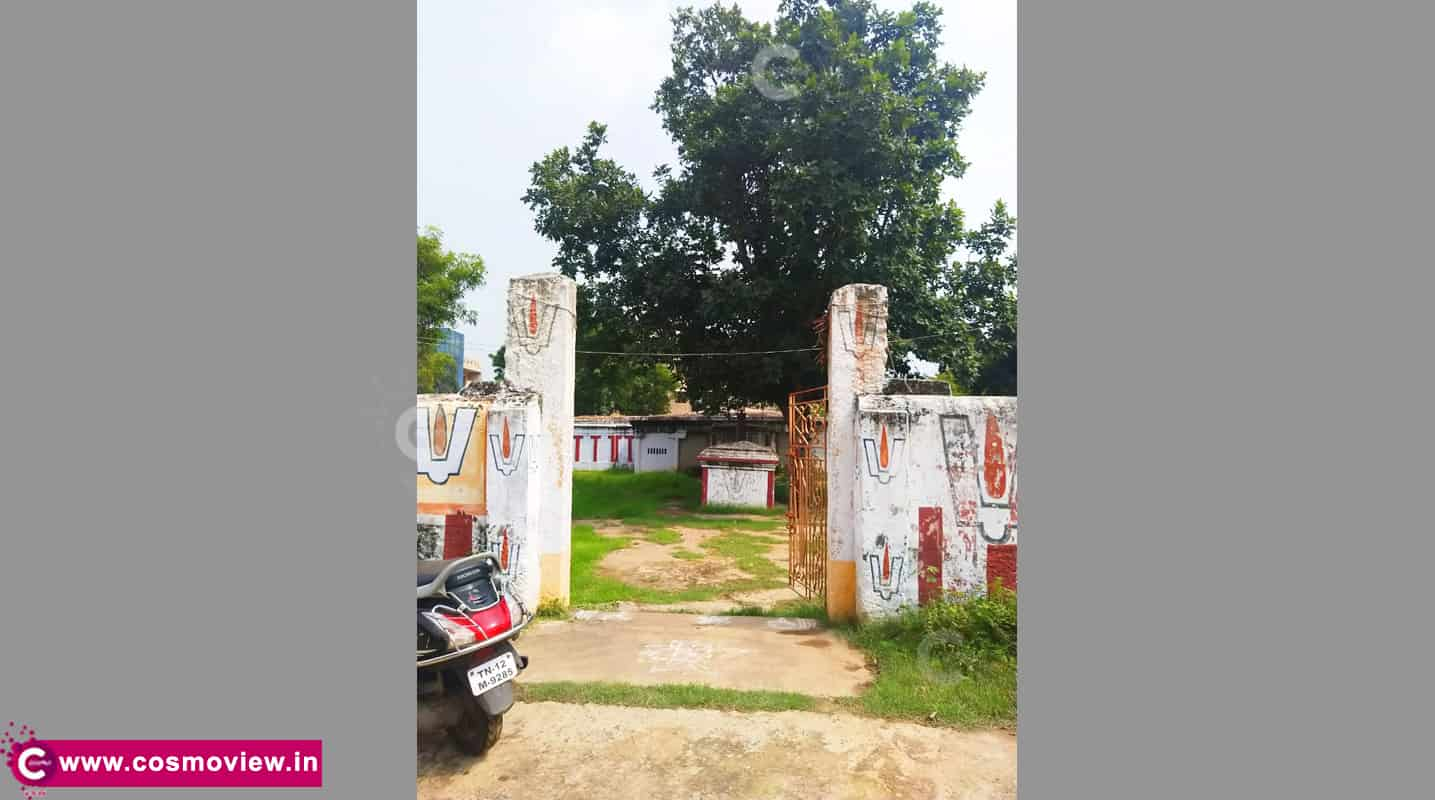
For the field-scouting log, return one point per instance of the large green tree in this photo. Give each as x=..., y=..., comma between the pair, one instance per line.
x=608, y=384
x=605, y=383
x=812, y=154
x=978, y=351
x=443, y=279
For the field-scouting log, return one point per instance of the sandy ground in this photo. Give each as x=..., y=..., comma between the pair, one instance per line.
x=650, y=565
x=577, y=752
x=647, y=648
x=573, y=752
x=762, y=598
x=653, y=566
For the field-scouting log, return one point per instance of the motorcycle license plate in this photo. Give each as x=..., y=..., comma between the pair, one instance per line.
x=493, y=673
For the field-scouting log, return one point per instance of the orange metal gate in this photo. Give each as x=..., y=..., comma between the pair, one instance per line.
x=807, y=492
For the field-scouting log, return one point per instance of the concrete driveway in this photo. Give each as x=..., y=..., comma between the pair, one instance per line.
x=651, y=647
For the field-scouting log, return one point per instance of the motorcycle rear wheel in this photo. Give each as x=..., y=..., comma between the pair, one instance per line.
x=477, y=732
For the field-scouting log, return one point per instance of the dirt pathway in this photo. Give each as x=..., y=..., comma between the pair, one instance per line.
x=678, y=558
x=577, y=752
x=646, y=648
x=760, y=598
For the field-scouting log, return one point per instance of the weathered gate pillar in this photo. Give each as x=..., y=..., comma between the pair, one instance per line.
x=542, y=334
x=856, y=364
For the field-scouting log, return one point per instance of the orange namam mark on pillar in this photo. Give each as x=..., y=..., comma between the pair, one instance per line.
x=503, y=553
x=994, y=468
x=440, y=432
x=533, y=316
x=886, y=562
x=857, y=323
x=507, y=448
x=882, y=453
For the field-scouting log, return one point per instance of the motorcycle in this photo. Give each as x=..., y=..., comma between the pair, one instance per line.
x=467, y=623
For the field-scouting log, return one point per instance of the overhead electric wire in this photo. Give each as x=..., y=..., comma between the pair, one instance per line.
x=719, y=353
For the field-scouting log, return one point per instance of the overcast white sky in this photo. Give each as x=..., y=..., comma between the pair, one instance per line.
x=501, y=84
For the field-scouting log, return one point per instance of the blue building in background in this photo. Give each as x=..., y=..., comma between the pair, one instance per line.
x=452, y=343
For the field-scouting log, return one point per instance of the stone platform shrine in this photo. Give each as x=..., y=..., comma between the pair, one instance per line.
x=738, y=474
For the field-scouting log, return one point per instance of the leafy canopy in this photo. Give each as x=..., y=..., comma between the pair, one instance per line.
x=609, y=385
x=780, y=198
x=443, y=278
x=499, y=359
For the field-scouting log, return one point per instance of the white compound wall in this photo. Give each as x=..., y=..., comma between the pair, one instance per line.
x=936, y=485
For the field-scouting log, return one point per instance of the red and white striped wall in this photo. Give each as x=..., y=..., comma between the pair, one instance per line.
x=598, y=446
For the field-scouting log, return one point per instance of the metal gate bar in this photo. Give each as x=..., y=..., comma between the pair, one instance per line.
x=807, y=492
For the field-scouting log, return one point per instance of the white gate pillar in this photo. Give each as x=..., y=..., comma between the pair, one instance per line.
x=539, y=357
x=856, y=365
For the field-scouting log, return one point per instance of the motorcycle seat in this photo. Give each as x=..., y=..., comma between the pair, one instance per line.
x=429, y=570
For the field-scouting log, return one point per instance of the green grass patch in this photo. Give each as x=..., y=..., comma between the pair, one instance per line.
x=624, y=494
x=797, y=607
x=724, y=508
x=686, y=695
x=662, y=536
x=748, y=551
x=705, y=523
x=654, y=505
x=620, y=494
x=589, y=589
x=952, y=662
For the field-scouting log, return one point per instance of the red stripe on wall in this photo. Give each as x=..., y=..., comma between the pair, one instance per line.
x=705, y=486
x=595, y=447
x=630, y=448
x=613, y=440
x=457, y=535
x=577, y=448
x=771, y=487
x=929, y=554
x=1001, y=564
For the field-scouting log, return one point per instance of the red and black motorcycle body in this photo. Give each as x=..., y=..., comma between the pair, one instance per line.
x=467, y=623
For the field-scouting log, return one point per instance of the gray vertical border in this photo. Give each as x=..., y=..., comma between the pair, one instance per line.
x=1224, y=363
x=206, y=240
